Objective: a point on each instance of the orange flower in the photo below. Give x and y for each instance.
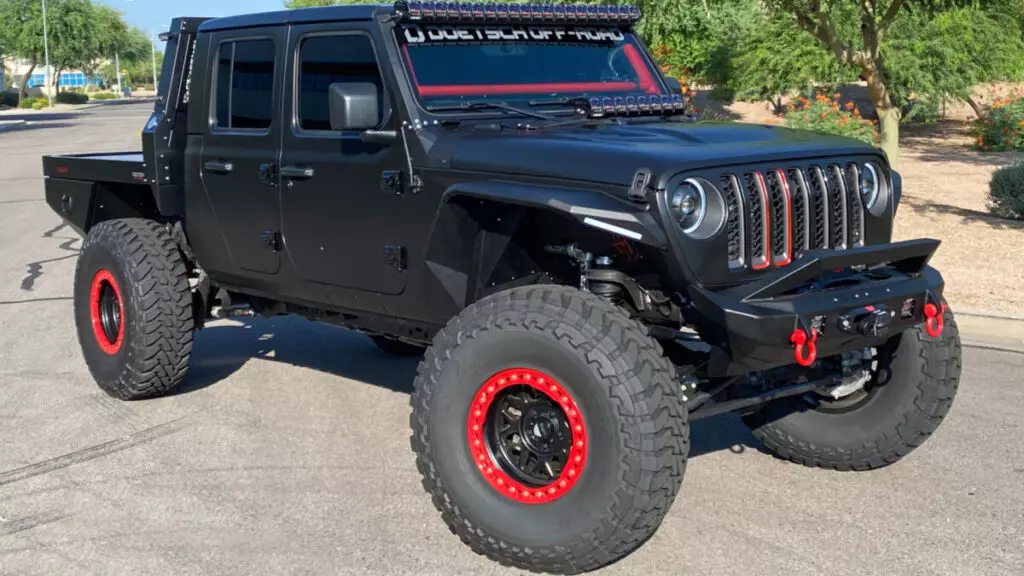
(823, 115)
(849, 105)
(856, 112)
(1021, 124)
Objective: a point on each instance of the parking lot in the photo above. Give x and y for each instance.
(287, 451)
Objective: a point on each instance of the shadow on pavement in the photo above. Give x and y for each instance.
(222, 349)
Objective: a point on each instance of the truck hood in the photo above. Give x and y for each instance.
(611, 154)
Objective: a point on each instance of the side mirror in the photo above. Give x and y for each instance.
(353, 106)
(674, 87)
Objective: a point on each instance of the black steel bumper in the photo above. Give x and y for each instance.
(840, 300)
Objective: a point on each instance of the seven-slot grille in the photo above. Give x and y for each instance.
(776, 214)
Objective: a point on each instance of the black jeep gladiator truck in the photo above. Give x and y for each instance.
(518, 194)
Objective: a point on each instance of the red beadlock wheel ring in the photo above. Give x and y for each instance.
(100, 303)
(487, 463)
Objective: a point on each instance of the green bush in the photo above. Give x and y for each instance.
(824, 114)
(1006, 192)
(27, 103)
(38, 105)
(1002, 128)
(103, 96)
(71, 98)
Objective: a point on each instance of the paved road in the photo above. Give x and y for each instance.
(287, 450)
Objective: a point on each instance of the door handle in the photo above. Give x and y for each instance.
(219, 166)
(297, 172)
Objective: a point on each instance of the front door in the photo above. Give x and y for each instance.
(240, 150)
(340, 226)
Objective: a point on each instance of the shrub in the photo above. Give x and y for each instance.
(39, 105)
(28, 102)
(71, 98)
(1006, 192)
(824, 114)
(11, 99)
(103, 96)
(1002, 127)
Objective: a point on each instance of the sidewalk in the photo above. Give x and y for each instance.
(987, 330)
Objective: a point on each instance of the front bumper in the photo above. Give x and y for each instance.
(841, 301)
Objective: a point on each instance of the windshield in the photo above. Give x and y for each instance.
(513, 62)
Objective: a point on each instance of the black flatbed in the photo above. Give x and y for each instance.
(119, 167)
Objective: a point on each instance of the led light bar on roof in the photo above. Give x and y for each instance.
(519, 13)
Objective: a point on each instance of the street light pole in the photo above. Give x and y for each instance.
(152, 39)
(46, 50)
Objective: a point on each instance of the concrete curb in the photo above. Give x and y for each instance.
(992, 331)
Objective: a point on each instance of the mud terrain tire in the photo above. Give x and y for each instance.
(921, 376)
(133, 308)
(624, 399)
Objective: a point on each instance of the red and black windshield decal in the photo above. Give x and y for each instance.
(414, 35)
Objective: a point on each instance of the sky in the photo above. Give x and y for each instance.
(156, 14)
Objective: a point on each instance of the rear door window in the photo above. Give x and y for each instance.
(244, 93)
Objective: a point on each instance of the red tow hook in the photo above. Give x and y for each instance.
(798, 338)
(933, 319)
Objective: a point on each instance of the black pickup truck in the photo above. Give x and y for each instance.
(516, 193)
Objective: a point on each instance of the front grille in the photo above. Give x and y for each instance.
(734, 221)
(775, 215)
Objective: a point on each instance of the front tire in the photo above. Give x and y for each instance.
(903, 406)
(584, 388)
(133, 308)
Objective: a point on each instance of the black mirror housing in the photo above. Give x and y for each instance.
(353, 105)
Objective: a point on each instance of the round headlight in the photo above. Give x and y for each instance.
(869, 185)
(689, 205)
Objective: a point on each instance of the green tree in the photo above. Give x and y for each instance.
(21, 33)
(72, 29)
(901, 46)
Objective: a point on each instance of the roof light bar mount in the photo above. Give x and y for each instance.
(516, 13)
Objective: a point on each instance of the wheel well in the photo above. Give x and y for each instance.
(498, 246)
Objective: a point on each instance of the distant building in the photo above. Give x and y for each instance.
(68, 78)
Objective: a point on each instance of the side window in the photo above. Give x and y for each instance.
(325, 60)
(245, 85)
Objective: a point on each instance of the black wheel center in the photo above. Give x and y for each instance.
(110, 312)
(528, 435)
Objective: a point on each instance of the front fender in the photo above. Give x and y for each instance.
(595, 209)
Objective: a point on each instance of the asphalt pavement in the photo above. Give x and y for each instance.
(287, 449)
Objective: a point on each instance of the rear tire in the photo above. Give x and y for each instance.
(898, 414)
(622, 414)
(133, 308)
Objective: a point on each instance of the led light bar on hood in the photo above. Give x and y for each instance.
(517, 13)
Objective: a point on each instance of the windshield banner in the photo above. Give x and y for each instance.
(423, 34)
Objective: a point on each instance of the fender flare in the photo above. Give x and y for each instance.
(589, 207)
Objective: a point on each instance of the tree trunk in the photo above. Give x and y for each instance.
(889, 130)
(26, 78)
(978, 110)
(888, 113)
(56, 81)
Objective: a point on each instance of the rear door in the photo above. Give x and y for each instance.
(342, 228)
(241, 147)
